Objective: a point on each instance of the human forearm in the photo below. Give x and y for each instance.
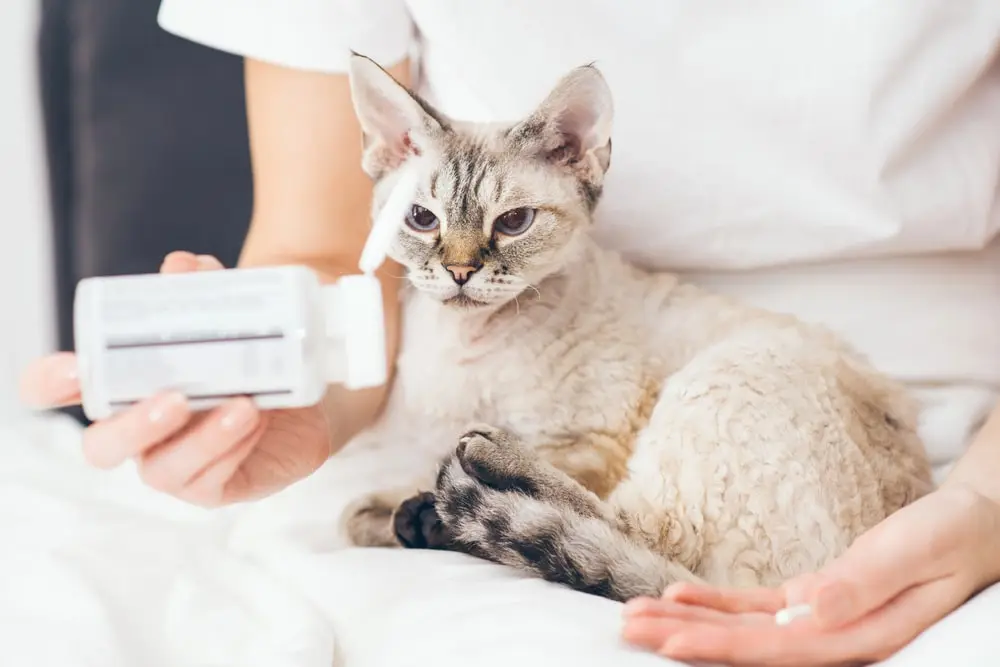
(312, 201)
(979, 468)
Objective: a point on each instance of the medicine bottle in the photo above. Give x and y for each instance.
(274, 334)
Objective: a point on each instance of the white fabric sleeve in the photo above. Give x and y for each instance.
(305, 34)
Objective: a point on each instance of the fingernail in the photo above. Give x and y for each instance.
(165, 407)
(52, 380)
(238, 416)
(673, 590)
(179, 261)
(206, 262)
(640, 633)
(60, 368)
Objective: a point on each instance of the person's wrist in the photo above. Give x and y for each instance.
(983, 528)
(990, 534)
(968, 479)
(348, 412)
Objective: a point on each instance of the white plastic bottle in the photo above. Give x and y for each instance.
(274, 334)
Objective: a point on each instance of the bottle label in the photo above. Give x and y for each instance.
(213, 367)
(210, 335)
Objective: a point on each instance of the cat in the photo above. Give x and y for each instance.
(599, 425)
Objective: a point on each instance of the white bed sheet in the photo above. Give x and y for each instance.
(97, 570)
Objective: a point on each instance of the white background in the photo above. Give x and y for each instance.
(27, 326)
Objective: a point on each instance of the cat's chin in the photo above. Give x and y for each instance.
(464, 302)
(467, 299)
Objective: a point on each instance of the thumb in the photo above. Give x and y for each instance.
(50, 381)
(880, 565)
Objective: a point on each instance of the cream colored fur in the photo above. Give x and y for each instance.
(744, 445)
(729, 444)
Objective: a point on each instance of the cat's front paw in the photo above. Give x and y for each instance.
(371, 521)
(417, 525)
(367, 522)
(498, 460)
(482, 486)
(495, 460)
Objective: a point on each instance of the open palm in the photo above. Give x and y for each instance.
(894, 582)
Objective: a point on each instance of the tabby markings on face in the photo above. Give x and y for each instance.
(500, 207)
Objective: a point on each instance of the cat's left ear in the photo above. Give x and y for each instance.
(395, 122)
(572, 125)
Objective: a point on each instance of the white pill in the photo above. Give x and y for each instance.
(789, 614)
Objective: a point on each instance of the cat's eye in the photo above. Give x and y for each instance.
(419, 219)
(514, 222)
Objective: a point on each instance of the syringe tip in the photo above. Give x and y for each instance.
(388, 221)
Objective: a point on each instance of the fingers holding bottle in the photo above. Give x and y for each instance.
(181, 261)
(51, 382)
(197, 462)
(110, 442)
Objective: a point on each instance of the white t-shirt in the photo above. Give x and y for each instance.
(838, 160)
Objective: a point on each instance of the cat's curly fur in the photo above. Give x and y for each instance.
(603, 426)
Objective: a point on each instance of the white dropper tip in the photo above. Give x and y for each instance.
(388, 221)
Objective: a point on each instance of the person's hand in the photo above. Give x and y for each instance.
(231, 453)
(895, 581)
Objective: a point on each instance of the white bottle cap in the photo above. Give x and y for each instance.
(356, 303)
(355, 324)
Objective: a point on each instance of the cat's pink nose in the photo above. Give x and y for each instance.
(461, 274)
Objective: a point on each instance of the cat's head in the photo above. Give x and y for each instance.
(500, 207)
